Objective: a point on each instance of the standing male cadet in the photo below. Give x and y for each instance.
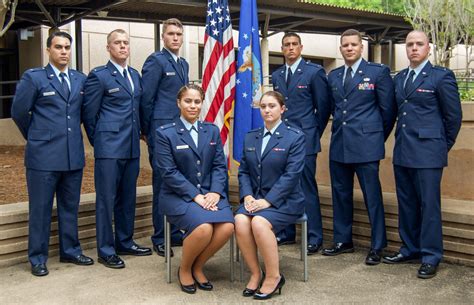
(47, 110)
(305, 88)
(364, 111)
(429, 119)
(111, 119)
(164, 73)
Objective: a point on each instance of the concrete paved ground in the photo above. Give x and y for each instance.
(342, 279)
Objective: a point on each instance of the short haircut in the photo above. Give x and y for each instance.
(120, 31)
(49, 41)
(172, 21)
(276, 95)
(188, 87)
(291, 34)
(421, 32)
(352, 32)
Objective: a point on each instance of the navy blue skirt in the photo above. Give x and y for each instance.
(196, 216)
(277, 219)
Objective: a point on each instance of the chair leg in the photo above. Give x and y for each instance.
(232, 258)
(168, 250)
(304, 246)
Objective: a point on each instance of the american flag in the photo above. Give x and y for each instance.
(218, 79)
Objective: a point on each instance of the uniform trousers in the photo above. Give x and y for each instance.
(42, 186)
(342, 183)
(115, 183)
(419, 212)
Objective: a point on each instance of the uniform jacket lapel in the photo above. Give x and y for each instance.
(274, 140)
(118, 77)
(185, 136)
(295, 79)
(203, 138)
(75, 83)
(420, 78)
(258, 144)
(401, 82)
(55, 82)
(358, 75)
(175, 65)
(281, 81)
(136, 80)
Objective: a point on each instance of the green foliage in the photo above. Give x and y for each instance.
(390, 6)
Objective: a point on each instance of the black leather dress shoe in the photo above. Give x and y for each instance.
(399, 258)
(160, 250)
(265, 296)
(80, 260)
(373, 257)
(191, 289)
(313, 249)
(339, 248)
(39, 270)
(112, 261)
(203, 286)
(250, 292)
(135, 250)
(427, 271)
(282, 242)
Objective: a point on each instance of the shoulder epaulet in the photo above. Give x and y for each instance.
(99, 68)
(255, 130)
(166, 126)
(131, 68)
(79, 72)
(440, 68)
(313, 64)
(36, 69)
(374, 64)
(296, 130)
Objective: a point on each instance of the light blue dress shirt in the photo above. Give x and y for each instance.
(192, 132)
(417, 71)
(354, 67)
(120, 69)
(267, 137)
(66, 71)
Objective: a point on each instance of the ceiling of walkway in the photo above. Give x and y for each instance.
(274, 15)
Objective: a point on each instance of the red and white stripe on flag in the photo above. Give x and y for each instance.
(218, 79)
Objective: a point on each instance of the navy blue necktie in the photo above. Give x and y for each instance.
(288, 77)
(409, 82)
(181, 66)
(64, 85)
(348, 79)
(127, 81)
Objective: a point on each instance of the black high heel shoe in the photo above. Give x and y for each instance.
(203, 286)
(191, 289)
(250, 292)
(264, 296)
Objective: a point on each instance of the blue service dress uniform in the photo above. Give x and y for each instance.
(187, 171)
(308, 109)
(112, 123)
(162, 77)
(429, 119)
(363, 117)
(274, 174)
(50, 120)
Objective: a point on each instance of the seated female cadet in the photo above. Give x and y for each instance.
(192, 164)
(270, 192)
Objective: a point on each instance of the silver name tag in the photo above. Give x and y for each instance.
(49, 93)
(170, 73)
(113, 90)
(182, 147)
